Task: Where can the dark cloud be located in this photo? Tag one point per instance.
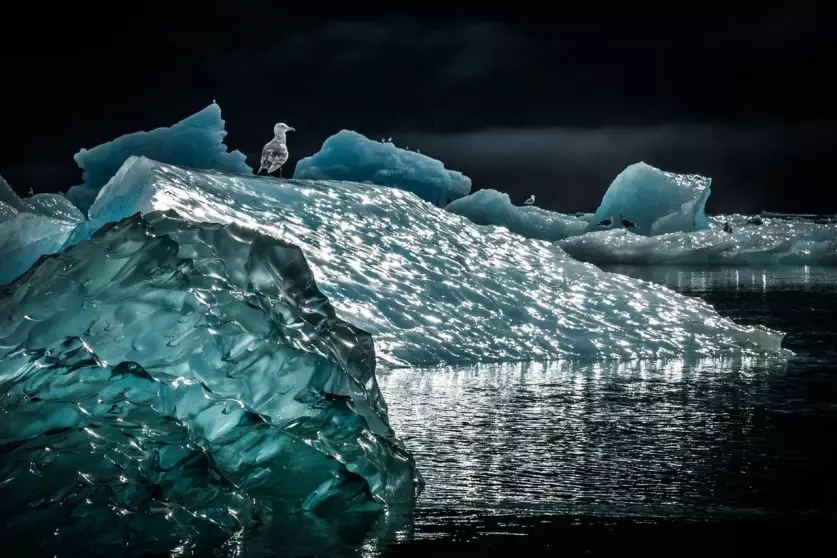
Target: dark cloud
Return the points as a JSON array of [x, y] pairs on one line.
[[569, 169]]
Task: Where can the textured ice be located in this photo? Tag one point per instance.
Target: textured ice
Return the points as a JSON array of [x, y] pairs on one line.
[[166, 374], [431, 286], [490, 207], [197, 141], [657, 201], [31, 227], [350, 156], [779, 240]]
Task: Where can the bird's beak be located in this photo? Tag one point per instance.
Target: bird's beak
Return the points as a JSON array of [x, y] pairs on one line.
[[291, 130]]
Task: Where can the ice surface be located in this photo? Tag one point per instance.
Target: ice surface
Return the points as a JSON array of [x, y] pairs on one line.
[[197, 141], [490, 207], [350, 156], [31, 227], [779, 240], [169, 374], [657, 201], [431, 286]]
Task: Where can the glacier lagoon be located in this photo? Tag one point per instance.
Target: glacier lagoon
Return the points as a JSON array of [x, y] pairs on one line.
[[307, 443]]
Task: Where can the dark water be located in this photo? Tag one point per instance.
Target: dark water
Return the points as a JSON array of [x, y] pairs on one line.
[[713, 456]]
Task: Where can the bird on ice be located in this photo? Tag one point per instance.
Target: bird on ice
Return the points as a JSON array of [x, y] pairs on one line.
[[530, 200], [275, 152], [627, 223], [31, 192], [606, 223]]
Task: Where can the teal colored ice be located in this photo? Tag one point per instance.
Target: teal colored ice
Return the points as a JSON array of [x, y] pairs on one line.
[[196, 141], [490, 207], [350, 156], [167, 376], [657, 201]]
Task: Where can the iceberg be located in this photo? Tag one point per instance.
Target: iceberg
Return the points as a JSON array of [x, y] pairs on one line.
[[659, 202], [429, 285], [490, 207], [166, 376], [197, 141], [31, 227], [350, 156], [780, 240]]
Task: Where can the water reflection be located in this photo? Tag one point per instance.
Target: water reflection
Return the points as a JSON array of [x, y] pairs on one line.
[[648, 437]]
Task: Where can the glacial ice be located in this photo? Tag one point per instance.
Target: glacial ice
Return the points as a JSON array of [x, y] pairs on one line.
[[31, 227], [659, 202], [167, 376], [350, 156], [197, 141], [779, 240], [490, 207], [432, 287]]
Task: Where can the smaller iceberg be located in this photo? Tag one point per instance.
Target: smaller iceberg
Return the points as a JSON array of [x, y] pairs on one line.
[[490, 207], [31, 227], [197, 142], [352, 157], [657, 201]]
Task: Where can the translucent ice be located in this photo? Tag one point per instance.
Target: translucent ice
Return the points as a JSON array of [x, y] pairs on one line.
[[490, 207], [350, 156], [657, 201], [197, 141], [779, 240], [431, 286], [169, 375], [31, 227]]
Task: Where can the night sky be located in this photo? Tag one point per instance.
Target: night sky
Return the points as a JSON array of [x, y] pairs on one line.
[[553, 105]]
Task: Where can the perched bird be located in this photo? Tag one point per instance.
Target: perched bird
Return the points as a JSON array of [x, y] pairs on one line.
[[31, 192], [275, 152], [627, 223], [755, 221], [606, 223], [530, 200], [389, 139], [727, 228]]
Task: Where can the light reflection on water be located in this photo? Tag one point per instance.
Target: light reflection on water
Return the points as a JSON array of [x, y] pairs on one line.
[[641, 437]]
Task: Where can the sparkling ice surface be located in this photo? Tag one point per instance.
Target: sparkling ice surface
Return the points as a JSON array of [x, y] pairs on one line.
[[431, 286]]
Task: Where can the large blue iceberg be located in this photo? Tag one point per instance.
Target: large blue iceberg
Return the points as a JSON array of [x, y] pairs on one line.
[[490, 207], [197, 141], [432, 287], [167, 376], [350, 156], [658, 202]]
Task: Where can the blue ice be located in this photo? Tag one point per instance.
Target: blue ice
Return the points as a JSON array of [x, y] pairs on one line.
[[657, 201], [166, 375], [432, 287], [490, 207], [197, 141], [350, 156]]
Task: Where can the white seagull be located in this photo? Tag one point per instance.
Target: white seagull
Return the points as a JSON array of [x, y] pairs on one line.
[[606, 223], [627, 223], [275, 152], [530, 200]]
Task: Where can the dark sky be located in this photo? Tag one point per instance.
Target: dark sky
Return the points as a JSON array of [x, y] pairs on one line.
[[554, 105]]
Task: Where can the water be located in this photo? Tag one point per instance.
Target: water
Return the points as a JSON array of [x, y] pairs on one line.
[[602, 458]]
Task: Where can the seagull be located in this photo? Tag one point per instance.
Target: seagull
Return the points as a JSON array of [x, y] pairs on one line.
[[389, 139], [275, 152], [627, 223], [755, 221], [31, 192], [727, 228], [606, 223], [530, 200]]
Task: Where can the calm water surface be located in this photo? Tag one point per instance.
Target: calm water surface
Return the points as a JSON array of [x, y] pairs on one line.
[[567, 457]]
